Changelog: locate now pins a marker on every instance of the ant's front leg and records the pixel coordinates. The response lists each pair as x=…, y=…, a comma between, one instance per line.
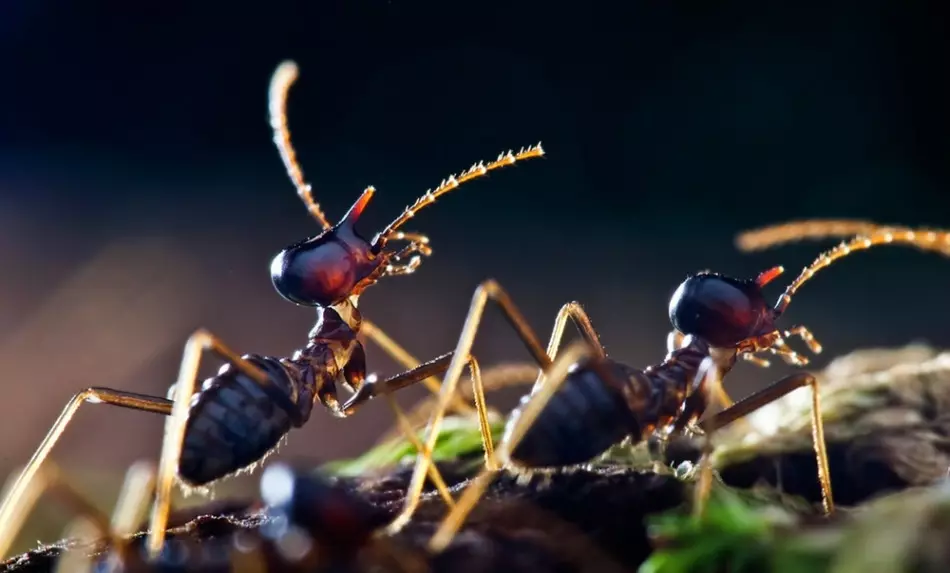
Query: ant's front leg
x=772, y=393
x=675, y=340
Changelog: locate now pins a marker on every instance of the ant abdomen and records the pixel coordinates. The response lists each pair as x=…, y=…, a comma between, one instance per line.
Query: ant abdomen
x=584, y=418
x=234, y=421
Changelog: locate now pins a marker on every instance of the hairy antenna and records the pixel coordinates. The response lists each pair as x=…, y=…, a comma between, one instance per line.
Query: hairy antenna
x=453, y=181
x=813, y=229
x=925, y=239
x=284, y=77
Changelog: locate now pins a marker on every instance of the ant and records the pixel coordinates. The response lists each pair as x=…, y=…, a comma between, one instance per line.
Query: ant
x=237, y=417
x=308, y=523
x=585, y=402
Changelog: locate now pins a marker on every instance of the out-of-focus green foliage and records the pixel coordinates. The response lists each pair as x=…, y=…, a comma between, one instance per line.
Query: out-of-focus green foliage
x=459, y=438
x=739, y=533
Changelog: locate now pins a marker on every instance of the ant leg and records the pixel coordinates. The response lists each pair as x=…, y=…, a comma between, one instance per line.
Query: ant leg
x=133, y=500
x=772, y=393
x=492, y=379
x=198, y=343
x=19, y=487
x=434, y=474
x=487, y=291
x=674, y=341
x=370, y=388
x=557, y=374
x=49, y=478
x=408, y=361
x=574, y=311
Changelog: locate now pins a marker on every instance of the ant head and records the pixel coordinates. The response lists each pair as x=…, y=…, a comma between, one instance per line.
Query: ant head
x=339, y=263
x=721, y=310
x=326, y=269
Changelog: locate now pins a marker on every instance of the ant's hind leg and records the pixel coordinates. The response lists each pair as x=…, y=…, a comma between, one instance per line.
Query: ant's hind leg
x=198, y=343
x=18, y=489
x=772, y=393
x=486, y=291
x=557, y=373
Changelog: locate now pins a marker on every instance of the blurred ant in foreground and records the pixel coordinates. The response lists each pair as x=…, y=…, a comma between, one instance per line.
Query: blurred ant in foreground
x=239, y=415
x=585, y=402
x=308, y=524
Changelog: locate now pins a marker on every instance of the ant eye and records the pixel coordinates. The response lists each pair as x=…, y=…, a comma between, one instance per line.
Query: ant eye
x=720, y=310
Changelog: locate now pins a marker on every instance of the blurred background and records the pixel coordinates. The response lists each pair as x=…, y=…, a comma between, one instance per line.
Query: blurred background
x=141, y=196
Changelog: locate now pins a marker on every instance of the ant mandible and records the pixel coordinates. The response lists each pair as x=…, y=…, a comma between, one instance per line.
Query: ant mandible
x=586, y=402
x=237, y=417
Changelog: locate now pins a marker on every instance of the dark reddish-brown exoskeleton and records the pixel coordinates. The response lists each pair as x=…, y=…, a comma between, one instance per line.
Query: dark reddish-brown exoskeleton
x=239, y=415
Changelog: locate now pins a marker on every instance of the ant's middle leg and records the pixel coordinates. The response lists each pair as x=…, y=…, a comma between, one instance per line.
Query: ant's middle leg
x=371, y=388
x=557, y=374
x=408, y=361
x=14, y=495
x=487, y=291
x=674, y=341
x=198, y=343
x=772, y=393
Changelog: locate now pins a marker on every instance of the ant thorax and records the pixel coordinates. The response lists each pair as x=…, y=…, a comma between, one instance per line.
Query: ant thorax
x=348, y=311
x=724, y=358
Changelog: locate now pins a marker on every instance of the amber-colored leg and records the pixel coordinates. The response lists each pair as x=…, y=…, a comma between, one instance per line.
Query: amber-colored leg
x=370, y=388
x=557, y=373
x=109, y=396
x=576, y=313
x=48, y=478
x=133, y=500
x=408, y=361
x=771, y=394
x=674, y=341
x=492, y=379
x=198, y=343
x=487, y=291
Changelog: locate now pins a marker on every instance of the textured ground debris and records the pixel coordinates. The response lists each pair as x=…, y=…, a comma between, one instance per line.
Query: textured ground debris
x=887, y=418
x=579, y=521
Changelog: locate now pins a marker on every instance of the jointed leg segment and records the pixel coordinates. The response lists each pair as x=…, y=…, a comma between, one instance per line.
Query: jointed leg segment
x=772, y=393
x=18, y=489
x=487, y=291
x=557, y=373
x=198, y=343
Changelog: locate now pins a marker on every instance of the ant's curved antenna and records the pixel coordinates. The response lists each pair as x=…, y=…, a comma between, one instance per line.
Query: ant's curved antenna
x=284, y=77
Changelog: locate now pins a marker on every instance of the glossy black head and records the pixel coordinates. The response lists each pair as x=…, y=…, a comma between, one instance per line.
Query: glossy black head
x=326, y=269
x=721, y=310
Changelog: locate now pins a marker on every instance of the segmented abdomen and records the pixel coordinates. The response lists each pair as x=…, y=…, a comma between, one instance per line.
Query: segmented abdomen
x=584, y=418
x=234, y=421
